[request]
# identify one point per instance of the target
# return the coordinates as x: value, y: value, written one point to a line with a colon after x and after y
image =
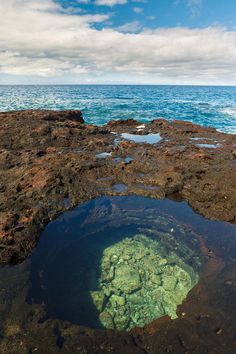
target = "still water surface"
x: 116, y: 262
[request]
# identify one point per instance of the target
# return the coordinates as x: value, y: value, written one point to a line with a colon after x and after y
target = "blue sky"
x: 164, y: 13
x: 118, y: 41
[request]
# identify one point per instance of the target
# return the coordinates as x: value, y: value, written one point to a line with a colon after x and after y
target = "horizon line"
x: 119, y: 84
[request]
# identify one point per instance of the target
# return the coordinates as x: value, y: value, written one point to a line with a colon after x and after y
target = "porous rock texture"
x: 48, y: 157
x: 48, y: 164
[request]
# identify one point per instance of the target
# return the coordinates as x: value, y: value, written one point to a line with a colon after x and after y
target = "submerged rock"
x: 107, y: 320
x: 126, y: 279
x: 145, y: 284
x: 98, y: 299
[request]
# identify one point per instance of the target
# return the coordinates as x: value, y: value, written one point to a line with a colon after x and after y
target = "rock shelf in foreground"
x: 48, y: 164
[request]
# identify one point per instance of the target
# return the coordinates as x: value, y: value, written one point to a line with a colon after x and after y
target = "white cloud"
x: 130, y: 27
x: 151, y: 18
x: 111, y: 2
x: 194, y: 2
x: 137, y: 10
x: 38, y: 40
x: 195, y: 6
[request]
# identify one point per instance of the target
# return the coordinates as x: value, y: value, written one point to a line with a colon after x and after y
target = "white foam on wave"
x: 229, y: 110
x: 228, y: 129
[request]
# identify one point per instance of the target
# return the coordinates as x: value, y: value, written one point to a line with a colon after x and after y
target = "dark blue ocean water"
x: 205, y: 105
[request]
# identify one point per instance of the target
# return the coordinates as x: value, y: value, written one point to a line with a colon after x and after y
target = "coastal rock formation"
x: 50, y: 162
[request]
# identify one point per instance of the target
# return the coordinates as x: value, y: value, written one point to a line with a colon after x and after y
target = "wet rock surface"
x: 48, y: 164
x: 47, y: 157
x: 140, y: 282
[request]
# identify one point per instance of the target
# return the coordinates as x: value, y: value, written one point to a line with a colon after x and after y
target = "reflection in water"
x: 119, y: 187
x: 209, y: 146
x: 147, y: 138
x: 114, y: 262
x: 128, y: 160
x: 103, y: 155
x: 147, y: 187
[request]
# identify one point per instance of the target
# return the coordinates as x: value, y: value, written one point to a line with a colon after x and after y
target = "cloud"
x: 194, y: 2
x: 151, y: 18
x: 194, y: 6
x: 38, y: 40
x: 83, y: 1
x: 111, y: 2
x: 130, y: 27
x: 137, y: 10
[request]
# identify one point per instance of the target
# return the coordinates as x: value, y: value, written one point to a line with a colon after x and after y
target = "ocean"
x: 204, y: 105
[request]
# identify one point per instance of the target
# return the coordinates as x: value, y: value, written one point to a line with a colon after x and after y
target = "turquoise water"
x: 205, y: 105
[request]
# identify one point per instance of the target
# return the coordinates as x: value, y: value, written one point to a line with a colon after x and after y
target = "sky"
x: 118, y: 41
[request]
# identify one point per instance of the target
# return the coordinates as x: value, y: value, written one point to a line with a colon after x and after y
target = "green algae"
x: 140, y: 281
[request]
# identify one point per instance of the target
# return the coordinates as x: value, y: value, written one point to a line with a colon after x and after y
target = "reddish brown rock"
x: 47, y: 156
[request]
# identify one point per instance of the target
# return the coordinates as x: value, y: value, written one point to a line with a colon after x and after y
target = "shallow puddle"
x: 147, y: 187
x: 104, y: 179
x: 127, y: 160
x: 114, y: 262
x: 120, y: 188
x: 117, y: 159
x: 201, y: 138
x: 103, y: 155
x: 209, y: 146
x: 147, y: 138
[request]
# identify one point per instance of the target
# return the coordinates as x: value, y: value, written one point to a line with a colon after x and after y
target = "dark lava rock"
x: 49, y: 157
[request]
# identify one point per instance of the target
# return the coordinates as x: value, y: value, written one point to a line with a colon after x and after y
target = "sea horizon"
x: 116, y: 84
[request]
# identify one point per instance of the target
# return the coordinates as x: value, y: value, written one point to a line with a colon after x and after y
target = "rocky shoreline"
x: 51, y: 161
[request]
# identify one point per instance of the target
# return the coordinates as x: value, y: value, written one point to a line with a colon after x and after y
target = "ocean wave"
x: 207, y: 106
x: 228, y: 130
x: 229, y: 110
